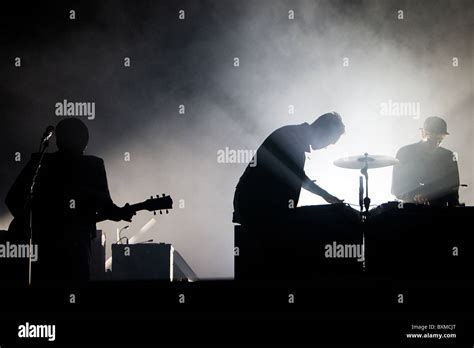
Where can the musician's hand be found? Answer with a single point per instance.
(332, 199)
(420, 199)
(127, 213)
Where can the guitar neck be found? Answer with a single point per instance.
(152, 204)
(102, 217)
(137, 206)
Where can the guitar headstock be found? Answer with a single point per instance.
(158, 203)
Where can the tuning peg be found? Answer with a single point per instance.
(161, 212)
(157, 196)
(154, 212)
(163, 194)
(166, 211)
(151, 197)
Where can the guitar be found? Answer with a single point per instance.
(152, 204)
(19, 233)
(19, 227)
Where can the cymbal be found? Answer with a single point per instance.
(359, 162)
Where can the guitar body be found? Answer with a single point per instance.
(14, 271)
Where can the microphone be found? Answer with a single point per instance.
(48, 133)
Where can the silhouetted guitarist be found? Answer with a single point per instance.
(71, 191)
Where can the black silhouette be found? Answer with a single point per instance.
(427, 173)
(272, 182)
(70, 192)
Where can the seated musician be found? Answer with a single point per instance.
(427, 173)
(268, 189)
(71, 191)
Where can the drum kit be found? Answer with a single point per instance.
(364, 163)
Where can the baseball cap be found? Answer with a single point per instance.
(435, 125)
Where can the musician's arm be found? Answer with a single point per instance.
(449, 184)
(453, 173)
(106, 209)
(402, 178)
(311, 186)
(286, 163)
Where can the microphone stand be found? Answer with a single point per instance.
(44, 145)
(364, 202)
(362, 215)
(365, 172)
